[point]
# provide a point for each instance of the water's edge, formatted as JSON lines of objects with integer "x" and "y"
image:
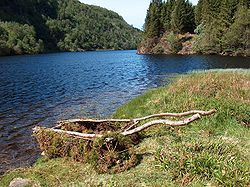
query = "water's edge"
{"x": 45, "y": 88}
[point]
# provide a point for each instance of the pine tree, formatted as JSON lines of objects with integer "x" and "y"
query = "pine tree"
{"x": 238, "y": 36}
{"x": 177, "y": 16}
{"x": 198, "y": 12}
{"x": 166, "y": 12}
{"x": 153, "y": 26}
{"x": 219, "y": 26}
{"x": 189, "y": 18}
{"x": 206, "y": 13}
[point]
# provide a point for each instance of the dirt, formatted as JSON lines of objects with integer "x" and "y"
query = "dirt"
{"x": 161, "y": 46}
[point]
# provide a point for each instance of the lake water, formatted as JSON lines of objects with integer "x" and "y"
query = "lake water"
{"x": 42, "y": 89}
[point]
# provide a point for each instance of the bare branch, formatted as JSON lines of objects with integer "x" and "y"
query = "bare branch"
{"x": 71, "y": 133}
{"x": 164, "y": 122}
{"x": 192, "y": 112}
{"x": 94, "y": 121}
{"x": 196, "y": 115}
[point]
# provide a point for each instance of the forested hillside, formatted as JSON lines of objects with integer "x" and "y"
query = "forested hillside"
{"x": 33, "y": 26}
{"x": 211, "y": 27}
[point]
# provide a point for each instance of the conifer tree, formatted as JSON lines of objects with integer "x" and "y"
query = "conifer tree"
{"x": 166, "y": 11}
{"x": 221, "y": 24}
{"x": 153, "y": 27}
{"x": 177, "y": 16}
{"x": 225, "y": 14}
{"x": 206, "y": 13}
{"x": 189, "y": 18}
{"x": 198, "y": 13}
{"x": 238, "y": 36}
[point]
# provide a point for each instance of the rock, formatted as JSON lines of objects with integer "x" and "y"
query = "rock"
{"x": 162, "y": 46}
{"x": 19, "y": 182}
{"x": 187, "y": 49}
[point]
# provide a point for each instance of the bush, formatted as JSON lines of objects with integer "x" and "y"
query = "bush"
{"x": 174, "y": 42}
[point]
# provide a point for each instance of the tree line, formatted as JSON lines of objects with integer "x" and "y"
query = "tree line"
{"x": 33, "y": 26}
{"x": 221, "y": 26}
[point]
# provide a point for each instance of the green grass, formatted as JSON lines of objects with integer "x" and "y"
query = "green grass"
{"x": 213, "y": 151}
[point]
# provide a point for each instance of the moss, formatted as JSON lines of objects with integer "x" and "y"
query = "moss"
{"x": 61, "y": 145}
{"x": 113, "y": 153}
{"x": 110, "y": 154}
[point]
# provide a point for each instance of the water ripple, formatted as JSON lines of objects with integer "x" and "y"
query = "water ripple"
{"x": 42, "y": 89}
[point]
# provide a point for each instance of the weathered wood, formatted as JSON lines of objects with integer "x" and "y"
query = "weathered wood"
{"x": 192, "y": 112}
{"x": 94, "y": 121}
{"x": 71, "y": 133}
{"x": 163, "y": 122}
{"x": 197, "y": 114}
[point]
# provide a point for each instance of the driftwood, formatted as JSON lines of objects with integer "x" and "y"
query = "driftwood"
{"x": 192, "y": 112}
{"x": 196, "y": 114}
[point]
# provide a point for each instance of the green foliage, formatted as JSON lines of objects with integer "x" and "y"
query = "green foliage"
{"x": 153, "y": 25}
{"x": 198, "y": 12}
{"x": 237, "y": 38}
{"x": 174, "y": 42}
{"x": 182, "y": 17}
{"x": 225, "y": 27}
{"x": 166, "y": 12}
{"x": 177, "y": 16}
{"x": 67, "y": 26}
{"x": 171, "y": 15}
{"x": 163, "y": 18}
{"x": 16, "y": 38}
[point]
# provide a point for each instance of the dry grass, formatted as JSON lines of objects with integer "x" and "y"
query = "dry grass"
{"x": 214, "y": 151}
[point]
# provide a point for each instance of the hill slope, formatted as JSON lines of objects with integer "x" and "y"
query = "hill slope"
{"x": 61, "y": 25}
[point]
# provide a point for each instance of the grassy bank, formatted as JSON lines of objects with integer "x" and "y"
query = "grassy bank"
{"x": 212, "y": 151}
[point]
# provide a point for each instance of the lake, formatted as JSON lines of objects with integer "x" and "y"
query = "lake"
{"x": 42, "y": 89}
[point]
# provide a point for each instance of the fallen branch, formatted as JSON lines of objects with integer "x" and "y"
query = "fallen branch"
{"x": 163, "y": 122}
{"x": 130, "y": 131}
{"x": 192, "y": 112}
{"x": 94, "y": 121}
{"x": 71, "y": 133}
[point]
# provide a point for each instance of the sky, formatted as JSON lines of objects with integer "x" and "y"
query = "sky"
{"x": 133, "y": 11}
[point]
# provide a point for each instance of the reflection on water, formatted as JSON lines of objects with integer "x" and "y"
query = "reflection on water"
{"x": 41, "y": 89}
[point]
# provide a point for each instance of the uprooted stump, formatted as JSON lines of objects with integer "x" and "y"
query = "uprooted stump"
{"x": 108, "y": 152}
{"x": 112, "y": 155}
{"x": 107, "y": 144}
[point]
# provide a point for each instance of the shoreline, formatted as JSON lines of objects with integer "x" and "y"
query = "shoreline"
{"x": 51, "y": 52}
{"x": 184, "y": 93}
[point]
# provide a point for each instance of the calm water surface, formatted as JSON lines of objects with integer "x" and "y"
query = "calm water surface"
{"x": 42, "y": 89}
